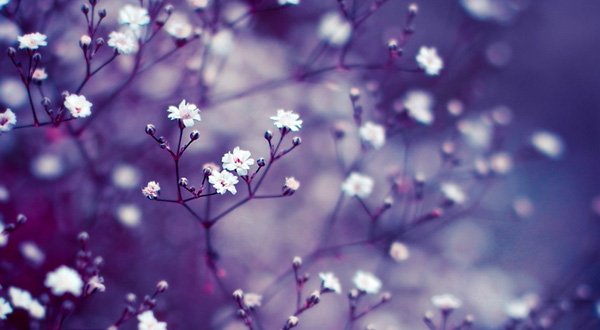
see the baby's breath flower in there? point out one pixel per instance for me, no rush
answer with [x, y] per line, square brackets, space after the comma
[238, 161]
[418, 103]
[446, 302]
[178, 26]
[151, 190]
[124, 43]
[39, 74]
[290, 186]
[63, 280]
[78, 106]
[288, 2]
[287, 119]
[335, 29]
[32, 40]
[501, 163]
[453, 193]
[5, 308]
[133, 16]
[330, 283]
[358, 185]
[372, 134]
[37, 310]
[223, 181]
[199, 4]
[399, 251]
[429, 61]
[252, 300]
[187, 112]
[7, 120]
[147, 321]
[366, 282]
[4, 3]
[517, 309]
[20, 298]
[549, 144]
[95, 284]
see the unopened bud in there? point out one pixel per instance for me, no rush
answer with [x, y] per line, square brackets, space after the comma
[353, 294]
[99, 42]
[238, 295]
[68, 306]
[102, 13]
[268, 135]
[413, 8]
[388, 202]
[314, 298]
[207, 171]
[85, 41]
[183, 181]
[93, 2]
[296, 141]
[21, 219]
[195, 135]
[83, 237]
[393, 45]
[386, 296]
[130, 298]
[11, 52]
[85, 9]
[261, 162]
[291, 322]
[169, 9]
[296, 262]
[150, 129]
[37, 57]
[98, 261]
[354, 94]
[162, 286]
[241, 313]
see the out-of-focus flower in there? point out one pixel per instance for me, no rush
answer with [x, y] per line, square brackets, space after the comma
[366, 282]
[63, 280]
[223, 181]
[252, 300]
[446, 302]
[126, 176]
[187, 112]
[399, 251]
[358, 185]
[199, 4]
[453, 193]
[4, 3]
[290, 186]
[287, 119]
[32, 252]
[477, 132]
[147, 321]
[501, 163]
[330, 283]
[151, 190]
[39, 74]
[222, 43]
[37, 310]
[335, 29]
[124, 43]
[429, 60]
[133, 16]
[517, 309]
[455, 107]
[418, 103]
[3, 236]
[20, 298]
[47, 166]
[288, 2]
[372, 134]
[32, 40]
[238, 160]
[7, 120]
[5, 308]
[78, 106]
[548, 143]
[129, 215]
[178, 26]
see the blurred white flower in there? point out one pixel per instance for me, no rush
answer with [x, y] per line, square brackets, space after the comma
[187, 112]
[4, 3]
[289, 2]
[290, 186]
[47, 166]
[419, 105]
[222, 43]
[238, 161]
[399, 251]
[7, 120]
[39, 74]
[372, 134]
[124, 43]
[252, 300]
[178, 26]
[453, 193]
[358, 185]
[330, 283]
[129, 215]
[5, 308]
[477, 132]
[32, 40]
[151, 190]
[3, 236]
[446, 302]
[4, 194]
[32, 252]
[223, 181]
[455, 107]
[78, 106]
[517, 309]
[95, 284]
[429, 60]
[548, 143]
[334, 29]
[126, 176]
[147, 321]
[366, 282]
[63, 280]
[199, 4]
[501, 163]
[20, 298]
[287, 119]
[133, 16]
[37, 310]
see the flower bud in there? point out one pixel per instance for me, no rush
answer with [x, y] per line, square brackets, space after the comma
[354, 94]
[93, 2]
[150, 129]
[21, 219]
[386, 296]
[85, 9]
[85, 41]
[130, 298]
[296, 262]
[261, 162]
[296, 141]
[291, 322]
[11, 52]
[314, 298]
[37, 57]
[169, 9]
[238, 295]
[83, 237]
[99, 42]
[183, 182]
[195, 135]
[102, 13]
[162, 286]
[268, 135]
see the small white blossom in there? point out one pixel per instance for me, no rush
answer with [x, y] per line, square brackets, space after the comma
[5, 308]
[372, 134]
[335, 29]
[39, 74]
[32, 40]
[446, 302]
[252, 300]
[32, 252]
[478, 132]
[20, 298]
[78, 106]
[63, 280]
[85, 40]
[453, 193]
[178, 26]
[199, 4]
[399, 251]
[287, 119]
[501, 163]
[37, 310]
[95, 284]
[549, 144]
[129, 215]
[517, 309]
[366, 282]
[7, 120]
[291, 184]
[223, 181]
[288, 2]
[3, 236]
[330, 282]
[151, 190]
[124, 43]
[429, 60]
[419, 105]
[187, 112]
[133, 16]
[358, 185]
[238, 161]
[147, 321]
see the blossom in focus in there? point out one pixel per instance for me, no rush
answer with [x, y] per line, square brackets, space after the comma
[7, 120]
[287, 119]
[124, 43]
[133, 16]
[334, 29]
[429, 60]
[372, 134]
[223, 181]
[78, 106]
[147, 321]
[290, 186]
[358, 185]
[63, 280]
[330, 282]
[366, 282]
[187, 112]
[32, 40]
[446, 302]
[39, 74]
[238, 160]
[419, 105]
[151, 190]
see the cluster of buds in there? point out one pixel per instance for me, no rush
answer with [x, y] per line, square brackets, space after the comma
[89, 266]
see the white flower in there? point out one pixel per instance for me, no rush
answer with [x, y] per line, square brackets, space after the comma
[399, 251]
[223, 181]
[290, 186]
[32, 252]
[288, 2]
[32, 40]
[4, 3]
[366, 282]
[372, 134]
[37, 310]
[477, 132]
[501, 163]
[7, 120]
[330, 282]
[3, 236]
[133, 16]
[446, 302]
[39, 74]
[178, 26]
[335, 29]
[453, 193]
[187, 112]
[418, 103]
[149, 322]
[429, 61]
[517, 309]
[239, 161]
[129, 215]
[252, 300]
[151, 190]
[20, 298]
[199, 4]
[63, 280]
[95, 284]
[5, 308]
[124, 43]
[78, 106]
[358, 185]
[549, 144]
[287, 119]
